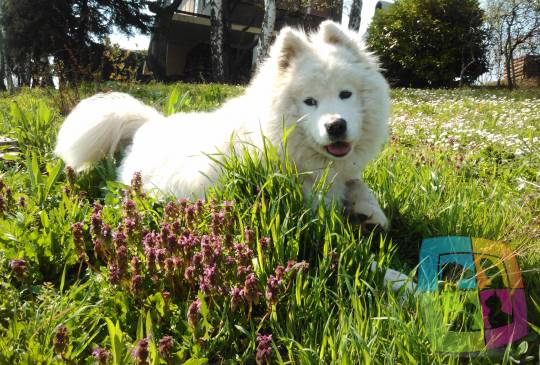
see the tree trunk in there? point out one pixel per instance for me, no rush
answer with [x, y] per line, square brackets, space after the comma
[267, 29]
[356, 15]
[157, 50]
[9, 71]
[2, 72]
[508, 59]
[217, 26]
[509, 76]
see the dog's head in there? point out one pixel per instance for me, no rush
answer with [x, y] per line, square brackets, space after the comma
[333, 90]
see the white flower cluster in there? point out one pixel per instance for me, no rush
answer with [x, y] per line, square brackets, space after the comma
[468, 120]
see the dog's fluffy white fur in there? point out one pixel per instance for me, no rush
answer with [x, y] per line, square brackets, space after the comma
[309, 81]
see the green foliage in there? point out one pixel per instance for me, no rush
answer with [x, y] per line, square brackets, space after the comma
[35, 30]
[119, 64]
[460, 162]
[430, 42]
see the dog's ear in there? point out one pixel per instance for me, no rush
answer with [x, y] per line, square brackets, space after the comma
[333, 33]
[289, 44]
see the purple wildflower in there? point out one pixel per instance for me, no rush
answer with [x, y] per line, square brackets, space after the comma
[61, 339]
[136, 183]
[272, 289]
[208, 280]
[71, 175]
[190, 214]
[243, 254]
[119, 238]
[197, 259]
[160, 256]
[101, 355]
[140, 352]
[264, 349]
[166, 346]
[19, 268]
[236, 297]
[189, 274]
[130, 225]
[164, 234]
[169, 265]
[77, 231]
[265, 241]
[22, 202]
[193, 313]
[229, 260]
[121, 256]
[136, 283]
[177, 262]
[114, 274]
[243, 270]
[150, 240]
[78, 239]
[279, 271]
[176, 228]
[98, 246]
[136, 265]
[150, 254]
[199, 205]
[130, 208]
[183, 203]
[228, 205]
[171, 211]
[217, 223]
[250, 291]
[106, 231]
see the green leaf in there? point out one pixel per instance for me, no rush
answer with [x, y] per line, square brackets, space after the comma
[192, 361]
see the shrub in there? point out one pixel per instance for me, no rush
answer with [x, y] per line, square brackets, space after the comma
[430, 43]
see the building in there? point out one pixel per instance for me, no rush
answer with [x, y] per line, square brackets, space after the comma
[383, 5]
[525, 69]
[184, 50]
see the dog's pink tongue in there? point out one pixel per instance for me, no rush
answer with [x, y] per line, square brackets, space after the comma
[338, 148]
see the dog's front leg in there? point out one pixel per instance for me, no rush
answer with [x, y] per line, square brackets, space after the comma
[361, 206]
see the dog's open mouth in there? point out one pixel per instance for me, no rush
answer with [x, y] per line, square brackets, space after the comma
[338, 149]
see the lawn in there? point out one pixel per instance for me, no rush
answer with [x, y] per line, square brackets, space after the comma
[92, 271]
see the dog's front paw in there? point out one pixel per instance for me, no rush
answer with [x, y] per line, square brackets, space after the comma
[366, 214]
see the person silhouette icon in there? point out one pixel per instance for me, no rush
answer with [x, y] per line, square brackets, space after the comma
[493, 273]
[497, 317]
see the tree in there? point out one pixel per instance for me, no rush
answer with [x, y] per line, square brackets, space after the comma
[68, 30]
[430, 43]
[217, 39]
[157, 54]
[514, 29]
[267, 29]
[355, 15]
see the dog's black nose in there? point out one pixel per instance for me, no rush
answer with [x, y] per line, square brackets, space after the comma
[336, 128]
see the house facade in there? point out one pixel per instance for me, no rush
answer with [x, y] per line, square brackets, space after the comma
[184, 52]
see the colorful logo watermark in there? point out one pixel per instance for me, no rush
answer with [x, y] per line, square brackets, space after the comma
[473, 294]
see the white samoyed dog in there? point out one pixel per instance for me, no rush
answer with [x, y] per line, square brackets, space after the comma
[324, 84]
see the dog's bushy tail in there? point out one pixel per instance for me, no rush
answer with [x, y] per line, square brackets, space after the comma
[97, 124]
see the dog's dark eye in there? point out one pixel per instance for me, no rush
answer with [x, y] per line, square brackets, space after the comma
[310, 102]
[345, 94]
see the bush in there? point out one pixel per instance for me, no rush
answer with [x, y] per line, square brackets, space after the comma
[430, 43]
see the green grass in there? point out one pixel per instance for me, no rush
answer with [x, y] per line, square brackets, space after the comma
[460, 162]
